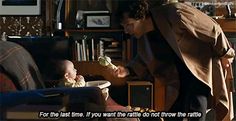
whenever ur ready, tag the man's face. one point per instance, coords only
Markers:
(131, 25)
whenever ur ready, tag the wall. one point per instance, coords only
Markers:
(24, 26)
(35, 25)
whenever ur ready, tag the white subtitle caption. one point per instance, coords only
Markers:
(117, 114)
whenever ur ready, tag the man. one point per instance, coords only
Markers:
(179, 42)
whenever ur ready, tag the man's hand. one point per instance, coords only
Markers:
(225, 62)
(120, 72)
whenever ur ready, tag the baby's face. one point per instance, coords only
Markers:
(70, 69)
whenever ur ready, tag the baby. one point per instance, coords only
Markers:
(67, 75)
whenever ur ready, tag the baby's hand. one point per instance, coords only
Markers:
(80, 79)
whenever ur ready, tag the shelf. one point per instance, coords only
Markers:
(96, 62)
(228, 25)
(93, 30)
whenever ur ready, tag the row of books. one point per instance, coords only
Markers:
(91, 49)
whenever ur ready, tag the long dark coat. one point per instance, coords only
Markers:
(199, 42)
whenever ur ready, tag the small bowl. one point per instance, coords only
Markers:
(99, 83)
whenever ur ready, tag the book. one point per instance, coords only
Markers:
(92, 49)
(84, 58)
(101, 48)
(112, 50)
(78, 51)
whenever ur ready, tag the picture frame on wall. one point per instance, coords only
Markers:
(97, 20)
(20, 7)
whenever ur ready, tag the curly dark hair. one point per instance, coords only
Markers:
(136, 9)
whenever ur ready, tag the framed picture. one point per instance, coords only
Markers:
(97, 20)
(20, 7)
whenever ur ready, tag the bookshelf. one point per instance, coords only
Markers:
(90, 44)
(93, 42)
(92, 30)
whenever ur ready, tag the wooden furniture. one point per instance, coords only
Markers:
(228, 25)
(140, 94)
(117, 49)
(159, 95)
